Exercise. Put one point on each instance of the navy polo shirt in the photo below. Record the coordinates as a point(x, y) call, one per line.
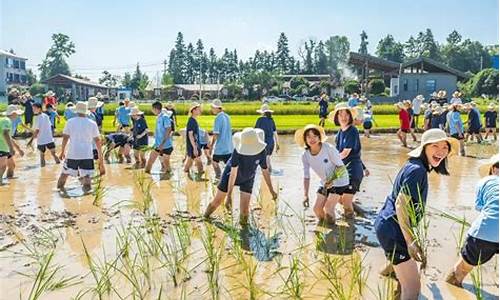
point(192, 125)
point(247, 165)
point(474, 122)
point(323, 107)
point(411, 181)
point(139, 126)
point(269, 127)
point(491, 119)
point(119, 139)
point(350, 139)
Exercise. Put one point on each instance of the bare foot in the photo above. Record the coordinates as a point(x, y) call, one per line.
point(452, 279)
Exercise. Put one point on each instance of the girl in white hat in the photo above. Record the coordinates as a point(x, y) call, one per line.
point(482, 238)
point(249, 153)
point(490, 121)
point(324, 159)
point(409, 191)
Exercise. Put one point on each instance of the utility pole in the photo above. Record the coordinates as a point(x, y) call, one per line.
point(481, 63)
point(200, 81)
point(164, 66)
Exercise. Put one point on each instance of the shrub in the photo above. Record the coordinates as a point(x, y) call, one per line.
point(351, 86)
point(376, 86)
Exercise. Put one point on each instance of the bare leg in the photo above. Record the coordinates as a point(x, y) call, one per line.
point(346, 201)
point(62, 181)
point(165, 161)
point(153, 155)
point(53, 153)
point(409, 278)
point(244, 207)
point(329, 208)
point(319, 206)
point(3, 166)
point(11, 165)
point(42, 159)
point(217, 169)
point(199, 165)
point(188, 164)
point(458, 273)
point(216, 202)
point(268, 161)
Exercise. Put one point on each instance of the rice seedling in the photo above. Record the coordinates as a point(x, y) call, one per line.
point(462, 222)
point(386, 291)
point(144, 184)
point(293, 284)
point(100, 191)
point(477, 281)
point(214, 256)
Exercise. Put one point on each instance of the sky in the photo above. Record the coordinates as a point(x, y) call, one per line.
point(115, 35)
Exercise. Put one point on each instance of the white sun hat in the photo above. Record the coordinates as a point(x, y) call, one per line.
point(342, 106)
point(93, 102)
point(420, 98)
point(250, 141)
point(435, 135)
point(216, 103)
point(13, 109)
point(81, 108)
point(135, 111)
point(264, 108)
point(486, 164)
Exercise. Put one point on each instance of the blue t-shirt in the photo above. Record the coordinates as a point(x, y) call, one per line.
point(17, 121)
point(269, 127)
point(247, 165)
point(350, 139)
point(192, 125)
point(140, 126)
point(323, 107)
point(485, 226)
point(203, 137)
point(122, 114)
point(69, 113)
point(222, 127)
point(352, 102)
point(490, 119)
point(52, 116)
point(474, 122)
point(455, 121)
point(411, 181)
point(163, 123)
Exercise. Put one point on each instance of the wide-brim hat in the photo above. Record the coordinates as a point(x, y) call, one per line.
point(81, 108)
point(441, 94)
point(50, 94)
point(420, 98)
point(435, 135)
point(13, 109)
point(299, 134)
point(93, 102)
point(193, 106)
point(491, 106)
point(399, 105)
point(342, 106)
point(264, 108)
point(135, 111)
point(69, 105)
point(434, 94)
point(456, 94)
point(99, 95)
point(437, 110)
point(169, 104)
point(250, 141)
point(216, 103)
point(407, 103)
point(486, 164)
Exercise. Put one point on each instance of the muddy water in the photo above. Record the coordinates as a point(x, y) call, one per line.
point(283, 253)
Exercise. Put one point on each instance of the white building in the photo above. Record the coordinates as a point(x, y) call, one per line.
point(12, 71)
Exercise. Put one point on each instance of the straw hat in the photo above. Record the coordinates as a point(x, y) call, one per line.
point(407, 103)
point(441, 94)
point(437, 110)
point(456, 94)
point(250, 141)
point(70, 105)
point(98, 95)
point(93, 102)
point(264, 108)
point(13, 109)
point(355, 95)
point(299, 134)
point(169, 105)
point(434, 136)
point(486, 164)
point(342, 106)
point(81, 108)
point(491, 106)
point(217, 103)
point(193, 106)
point(434, 95)
point(135, 111)
point(467, 106)
point(420, 98)
point(473, 104)
point(399, 105)
point(131, 104)
point(50, 94)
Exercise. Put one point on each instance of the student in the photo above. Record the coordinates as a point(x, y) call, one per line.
point(266, 123)
point(13, 113)
point(441, 97)
point(122, 115)
point(348, 144)
point(6, 146)
point(427, 116)
point(43, 135)
point(367, 122)
point(437, 121)
point(69, 111)
point(249, 153)
point(163, 146)
point(409, 109)
point(417, 108)
point(81, 132)
point(193, 151)
point(353, 101)
point(53, 116)
point(118, 140)
point(99, 111)
point(456, 127)
point(27, 102)
point(444, 119)
point(203, 143)
point(222, 143)
point(173, 115)
point(325, 161)
point(50, 99)
point(456, 98)
point(473, 123)
point(323, 109)
point(93, 104)
point(140, 136)
point(482, 238)
point(404, 123)
point(490, 121)
point(410, 191)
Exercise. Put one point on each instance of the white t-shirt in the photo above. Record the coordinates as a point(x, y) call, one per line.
point(416, 103)
point(324, 163)
point(82, 131)
point(42, 123)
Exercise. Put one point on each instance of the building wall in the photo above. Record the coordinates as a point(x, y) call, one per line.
point(411, 85)
point(14, 66)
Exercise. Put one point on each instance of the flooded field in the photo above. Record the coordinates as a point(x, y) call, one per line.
point(140, 237)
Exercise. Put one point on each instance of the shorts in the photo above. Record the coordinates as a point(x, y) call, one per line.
point(491, 129)
point(457, 137)
point(324, 116)
point(221, 157)
point(477, 251)
point(44, 147)
point(123, 126)
point(353, 186)
point(78, 167)
point(95, 154)
point(166, 151)
point(413, 123)
point(337, 190)
point(367, 125)
point(474, 130)
point(5, 154)
point(246, 186)
point(204, 146)
point(405, 130)
point(391, 239)
point(269, 149)
point(140, 145)
point(190, 153)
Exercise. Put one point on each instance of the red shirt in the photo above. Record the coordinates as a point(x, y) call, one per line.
point(404, 119)
point(50, 100)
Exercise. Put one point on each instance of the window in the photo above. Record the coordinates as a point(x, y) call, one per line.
point(430, 86)
point(16, 64)
point(16, 78)
point(23, 65)
point(405, 85)
point(6, 61)
point(416, 85)
point(24, 79)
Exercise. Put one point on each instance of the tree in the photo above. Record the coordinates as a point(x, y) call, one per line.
point(351, 86)
point(307, 55)
point(283, 55)
point(108, 79)
point(213, 70)
point(201, 62)
point(127, 80)
point(320, 59)
point(363, 47)
point(30, 77)
point(430, 47)
point(191, 69)
point(484, 82)
point(389, 49)
point(337, 49)
point(376, 86)
point(54, 62)
point(177, 60)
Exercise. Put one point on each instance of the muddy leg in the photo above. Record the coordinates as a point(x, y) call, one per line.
point(53, 153)
point(62, 181)
point(460, 270)
point(3, 166)
point(11, 165)
point(319, 206)
point(244, 207)
point(329, 208)
point(409, 278)
point(216, 202)
point(153, 155)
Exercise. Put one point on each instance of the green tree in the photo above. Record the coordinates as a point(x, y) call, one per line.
point(484, 82)
point(351, 86)
point(55, 60)
point(177, 60)
point(307, 55)
point(389, 49)
point(283, 55)
point(213, 70)
point(363, 47)
point(320, 59)
point(376, 86)
point(108, 79)
point(127, 80)
point(337, 49)
point(30, 77)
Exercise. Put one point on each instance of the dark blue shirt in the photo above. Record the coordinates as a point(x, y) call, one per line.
point(119, 139)
point(268, 126)
point(474, 122)
point(435, 121)
point(28, 110)
point(323, 107)
point(192, 125)
point(490, 118)
point(349, 139)
point(247, 165)
point(139, 127)
point(411, 181)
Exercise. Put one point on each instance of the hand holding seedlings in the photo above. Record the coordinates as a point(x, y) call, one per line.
point(415, 251)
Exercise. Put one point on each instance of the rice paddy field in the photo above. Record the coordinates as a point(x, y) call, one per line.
point(139, 236)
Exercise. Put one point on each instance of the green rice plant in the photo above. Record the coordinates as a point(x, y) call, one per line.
point(100, 191)
point(477, 280)
point(172, 259)
point(144, 184)
point(386, 291)
point(293, 284)
point(213, 259)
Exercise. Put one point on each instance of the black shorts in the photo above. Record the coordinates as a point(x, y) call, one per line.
point(367, 125)
point(245, 187)
point(474, 130)
point(139, 146)
point(477, 251)
point(95, 154)
point(123, 126)
point(353, 186)
point(412, 123)
point(204, 146)
point(190, 153)
point(391, 239)
point(221, 157)
point(5, 154)
point(269, 149)
point(166, 151)
point(44, 147)
point(323, 116)
point(457, 137)
point(338, 190)
point(78, 167)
